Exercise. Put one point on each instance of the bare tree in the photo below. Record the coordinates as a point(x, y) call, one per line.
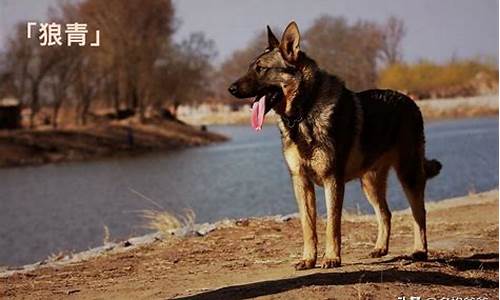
point(349, 51)
point(393, 32)
point(183, 75)
point(60, 78)
point(29, 63)
point(16, 61)
point(135, 34)
point(85, 87)
point(136, 66)
point(237, 64)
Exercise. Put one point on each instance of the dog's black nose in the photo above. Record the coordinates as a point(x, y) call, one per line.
point(233, 89)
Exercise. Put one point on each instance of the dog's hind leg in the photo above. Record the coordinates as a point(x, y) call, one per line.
point(411, 173)
point(374, 184)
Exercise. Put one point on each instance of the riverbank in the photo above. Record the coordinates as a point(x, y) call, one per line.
point(432, 109)
point(253, 257)
point(40, 146)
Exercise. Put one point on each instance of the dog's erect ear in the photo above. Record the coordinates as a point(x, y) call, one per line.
point(271, 39)
point(290, 43)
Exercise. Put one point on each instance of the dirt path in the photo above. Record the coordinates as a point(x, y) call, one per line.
point(253, 258)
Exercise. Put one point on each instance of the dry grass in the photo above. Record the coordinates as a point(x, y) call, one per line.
point(107, 235)
point(165, 222)
point(362, 293)
point(161, 219)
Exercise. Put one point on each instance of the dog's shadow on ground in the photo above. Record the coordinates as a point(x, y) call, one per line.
point(486, 261)
point(480, 261)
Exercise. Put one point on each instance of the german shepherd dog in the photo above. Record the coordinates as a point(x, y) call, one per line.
point(331, 135)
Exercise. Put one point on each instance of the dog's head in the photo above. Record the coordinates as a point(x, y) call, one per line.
point(273, 77)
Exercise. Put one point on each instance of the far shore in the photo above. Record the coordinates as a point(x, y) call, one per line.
point(432, 109)
point(247, 258)
point(26, 147)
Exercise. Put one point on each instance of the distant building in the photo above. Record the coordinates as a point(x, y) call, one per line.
point(10, 113)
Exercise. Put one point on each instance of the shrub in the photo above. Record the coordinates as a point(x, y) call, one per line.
point(428, 79)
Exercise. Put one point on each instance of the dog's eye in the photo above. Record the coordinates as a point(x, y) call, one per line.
point(259, 69)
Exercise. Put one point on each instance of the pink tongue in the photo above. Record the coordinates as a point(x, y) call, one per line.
point(258, 109)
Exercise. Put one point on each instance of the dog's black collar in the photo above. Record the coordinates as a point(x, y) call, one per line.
point(291, 122)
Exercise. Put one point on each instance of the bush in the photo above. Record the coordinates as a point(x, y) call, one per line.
point(428, 79)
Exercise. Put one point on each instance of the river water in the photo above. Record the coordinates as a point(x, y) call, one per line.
point(47, 209)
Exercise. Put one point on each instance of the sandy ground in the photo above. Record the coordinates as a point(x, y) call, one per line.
point(253, 259)
point(34, 147)
point(432, 109)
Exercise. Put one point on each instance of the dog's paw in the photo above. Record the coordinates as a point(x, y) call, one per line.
point(378, 252)
point(419, 256)
point(305, 264)
point(329, 263)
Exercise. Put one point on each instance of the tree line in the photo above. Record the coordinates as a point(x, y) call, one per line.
point(139, 68)
point(136, 67)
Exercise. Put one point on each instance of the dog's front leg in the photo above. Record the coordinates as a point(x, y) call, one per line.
point(306, 200)
point(334, 197)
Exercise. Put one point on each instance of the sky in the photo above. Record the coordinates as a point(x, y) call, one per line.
point(436, 29)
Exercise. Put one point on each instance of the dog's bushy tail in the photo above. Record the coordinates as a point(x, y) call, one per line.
point(432, 168)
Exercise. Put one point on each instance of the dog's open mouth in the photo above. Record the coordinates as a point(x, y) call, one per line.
point(262, 105)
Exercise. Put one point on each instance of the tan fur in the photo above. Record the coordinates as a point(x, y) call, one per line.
point(334, 196)
point(293, 159)
point(415, 197)
point(306, 201)
point(322, 125)
point(374, 184)
point(290, 87)
point(317, 163)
